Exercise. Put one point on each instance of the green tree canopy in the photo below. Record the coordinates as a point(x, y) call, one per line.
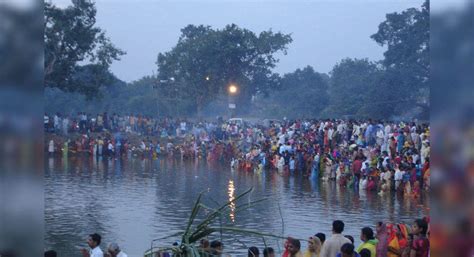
point(205, 61)
point(302, 93)
point(407, 59)
point(71, 38)
point(352, 81)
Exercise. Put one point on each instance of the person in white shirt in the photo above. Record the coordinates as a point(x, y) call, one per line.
point(281, 164)
point(93, 241)
point(281, 138)
point(332, 246)
point(356, 130)
point(290, 133)
point(115, 251)
point(330, 134)
point(182, 126)
point(380, 137)
point(398, 177)
point(386, 159)
point(56, 122)
point(363, 183)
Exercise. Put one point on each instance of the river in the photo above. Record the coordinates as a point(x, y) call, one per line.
point(134, 201)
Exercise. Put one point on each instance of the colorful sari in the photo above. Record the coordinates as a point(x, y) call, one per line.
point(403, 239)
point(421, 246)
point(286, 252)
point(393, 243)
point(426, 179)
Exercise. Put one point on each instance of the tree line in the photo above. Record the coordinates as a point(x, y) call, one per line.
point(193, 78)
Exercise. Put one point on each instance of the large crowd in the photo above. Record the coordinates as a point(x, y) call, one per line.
point(365, 154)
point(388, 240)
point(361, 154)
point(383, 240)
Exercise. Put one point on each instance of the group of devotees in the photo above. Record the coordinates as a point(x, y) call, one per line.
point(388, 240)
point(368, 154)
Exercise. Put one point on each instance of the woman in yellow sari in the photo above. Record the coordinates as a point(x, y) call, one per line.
point(314, 247)
point(393, 245)
point(397, 244)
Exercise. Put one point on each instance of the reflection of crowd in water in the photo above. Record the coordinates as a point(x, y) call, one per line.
point(370, 155)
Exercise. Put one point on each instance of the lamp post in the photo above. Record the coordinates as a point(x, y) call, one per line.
point(233, 90)
point(170, 83)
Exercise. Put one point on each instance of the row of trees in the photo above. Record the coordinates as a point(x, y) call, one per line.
point(193, 77)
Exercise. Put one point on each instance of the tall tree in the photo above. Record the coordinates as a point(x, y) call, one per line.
point(407, 61)
point(303, 93)
point(205, 61)
point(352, 83)
point(71, 38)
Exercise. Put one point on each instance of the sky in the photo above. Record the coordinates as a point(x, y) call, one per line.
point(323, 32)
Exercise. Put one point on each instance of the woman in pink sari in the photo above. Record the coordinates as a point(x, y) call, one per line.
point(420, 245)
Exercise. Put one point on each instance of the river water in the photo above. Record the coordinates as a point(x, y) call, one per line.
point(134, 201)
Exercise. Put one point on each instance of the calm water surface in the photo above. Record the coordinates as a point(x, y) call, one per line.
point(134, 201)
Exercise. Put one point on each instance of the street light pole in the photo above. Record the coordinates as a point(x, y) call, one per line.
point(233, 89)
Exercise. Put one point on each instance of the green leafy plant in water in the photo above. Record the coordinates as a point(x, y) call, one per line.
point(193, 233)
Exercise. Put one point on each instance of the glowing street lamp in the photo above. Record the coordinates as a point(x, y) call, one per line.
point(233, 89)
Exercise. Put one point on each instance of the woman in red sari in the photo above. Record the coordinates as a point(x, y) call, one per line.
point(286, 252)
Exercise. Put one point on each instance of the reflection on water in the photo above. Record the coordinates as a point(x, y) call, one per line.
point(231, 199)
point(135, 201)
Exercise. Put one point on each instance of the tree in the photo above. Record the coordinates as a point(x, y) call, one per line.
point(302, 93)
point(407, 59)
point(205, 61)
point(352, 83)
point(71, 38)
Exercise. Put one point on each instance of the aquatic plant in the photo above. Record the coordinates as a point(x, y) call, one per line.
point(212, 223)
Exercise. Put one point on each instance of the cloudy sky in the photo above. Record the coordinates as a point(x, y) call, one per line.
point(324, 32)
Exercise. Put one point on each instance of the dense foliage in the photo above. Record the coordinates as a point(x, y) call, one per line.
point(71, 39)
point(194, 76)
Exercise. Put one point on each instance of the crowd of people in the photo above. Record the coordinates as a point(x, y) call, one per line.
point(94, 250)
point(361, 154)
point(368, 154)
point(388, 240)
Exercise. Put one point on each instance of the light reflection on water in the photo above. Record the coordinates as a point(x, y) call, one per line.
point(231, 200)
point(135, 201)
